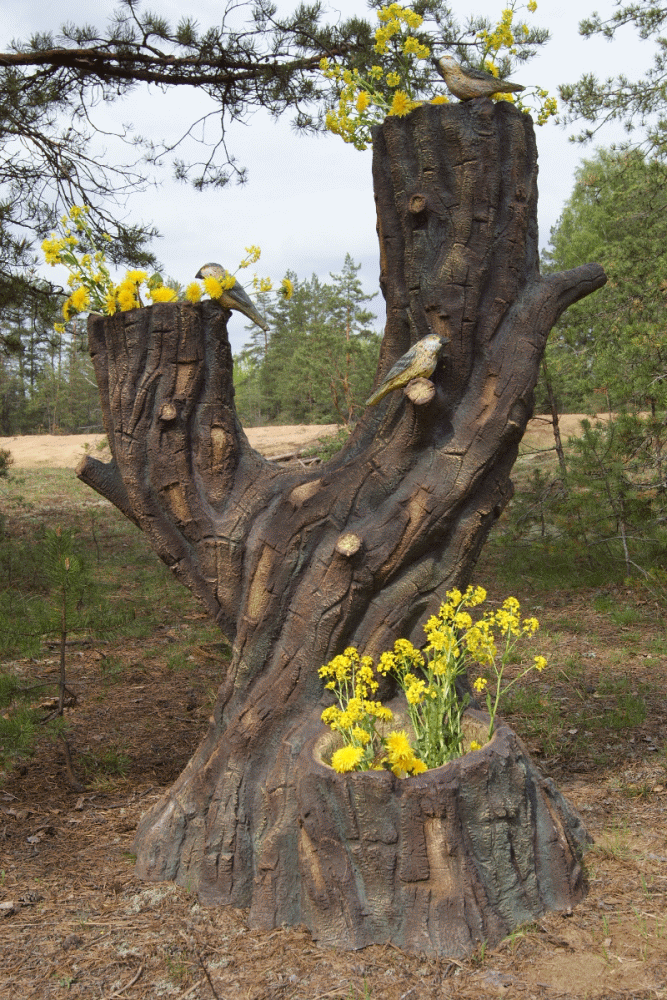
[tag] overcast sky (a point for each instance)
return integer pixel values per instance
(309, 200)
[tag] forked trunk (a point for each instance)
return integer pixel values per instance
(296, 565)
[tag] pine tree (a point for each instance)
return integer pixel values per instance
(609, 353)
(317, 362)
(639, 105)
(355, 359)
(615, 341)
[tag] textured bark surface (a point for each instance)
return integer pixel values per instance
(459, 855)
(296, 565)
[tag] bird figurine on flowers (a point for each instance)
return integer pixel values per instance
(231, 294)
(466, 83)
(418, 362)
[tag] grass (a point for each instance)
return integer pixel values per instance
(614, 844)
(18, 732)
(111, 762)
(126, 576)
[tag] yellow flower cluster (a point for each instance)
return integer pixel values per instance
(507, 36)
(356, 718)
(401, 757)
(548, 107)
(428, 680)
(397, 86)
(510, 628)
(365, 101)
(502, 36)
(92, 288)
(216, 286)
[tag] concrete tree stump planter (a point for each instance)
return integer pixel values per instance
(295, 565)
(440, 862)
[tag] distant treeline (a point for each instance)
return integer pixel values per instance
(317, 362)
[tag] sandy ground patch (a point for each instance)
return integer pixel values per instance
(64, 451)
(50, 451)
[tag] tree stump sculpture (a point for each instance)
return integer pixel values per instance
(296, 565)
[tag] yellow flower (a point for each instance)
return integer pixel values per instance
(136, 277)
(346, 759)
(480, 684)
(331, 715)
(254, 253)
(52, 249)
(474, 745)
(193, 292)
(213, 287)
(80, 299)
(360, 735)
(413, 19)
(286, 288)
(110, 302)
(443, 640)
(401, 104)
(440, 99)
(387, 662)
(363, 100)
(126, 297)
(403, 648)
(532, 6)
(393, 79)
(413, 47)
(382, 37)
(354, 712)
(163, 294)
(382, 713)
(540, 662)
(415, 690)
(399, 752)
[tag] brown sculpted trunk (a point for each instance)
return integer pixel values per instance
(296, 565)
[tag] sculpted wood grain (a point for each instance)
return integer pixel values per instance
(295, 564)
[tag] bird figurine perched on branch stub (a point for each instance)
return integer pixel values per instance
(232, 297)
(418, 362)
(466, 83)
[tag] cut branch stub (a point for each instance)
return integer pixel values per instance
(296, 565)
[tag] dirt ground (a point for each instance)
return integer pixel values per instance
(65, 451)
(76, 922)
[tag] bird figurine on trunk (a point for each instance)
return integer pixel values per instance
(418, 362)
(234, 297)
(466, 83)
